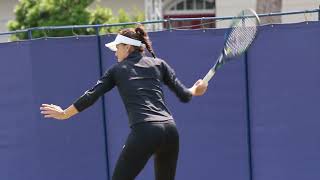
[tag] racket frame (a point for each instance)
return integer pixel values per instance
(222, 56)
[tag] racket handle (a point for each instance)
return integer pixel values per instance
(212, 71)
(209, 75)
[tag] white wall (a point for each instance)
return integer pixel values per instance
(299, 5)
(231, 8)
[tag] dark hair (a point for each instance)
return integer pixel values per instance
(140, 34)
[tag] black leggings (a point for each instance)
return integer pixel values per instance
(145, 140)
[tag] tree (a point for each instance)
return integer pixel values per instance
(39, 13)
(104, 16)
(269, 6)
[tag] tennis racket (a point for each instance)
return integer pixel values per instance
(239, 37)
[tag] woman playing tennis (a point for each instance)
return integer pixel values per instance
(139, 80)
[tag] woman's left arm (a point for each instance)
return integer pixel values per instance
(56, 112)
(104, 84)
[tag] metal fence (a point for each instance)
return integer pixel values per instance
(168, 21)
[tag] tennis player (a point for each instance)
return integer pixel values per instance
(139, 80)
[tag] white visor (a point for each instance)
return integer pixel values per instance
(122, 40)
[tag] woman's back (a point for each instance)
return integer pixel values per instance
(139, 83)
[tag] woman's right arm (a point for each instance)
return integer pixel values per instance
(184, 94)
(174, 84)
(199, 88)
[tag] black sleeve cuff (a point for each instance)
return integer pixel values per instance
(82, 103)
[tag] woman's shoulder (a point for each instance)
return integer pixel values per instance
(111, 68)
(156, 60)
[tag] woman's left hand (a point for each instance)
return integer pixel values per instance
(199, 88)
(53, 111)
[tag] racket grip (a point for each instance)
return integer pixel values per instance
(209, 75)
(212, 71)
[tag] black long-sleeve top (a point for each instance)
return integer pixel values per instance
(139, 80)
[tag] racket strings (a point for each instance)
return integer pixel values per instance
(241, 36)
(240, 39)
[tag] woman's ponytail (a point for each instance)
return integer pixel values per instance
(144, 38)
(140, 34)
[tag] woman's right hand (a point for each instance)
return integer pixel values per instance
(53, 111)
(199, 88)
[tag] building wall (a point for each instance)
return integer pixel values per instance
(231, 8)
(299, 5)
(6, 13)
